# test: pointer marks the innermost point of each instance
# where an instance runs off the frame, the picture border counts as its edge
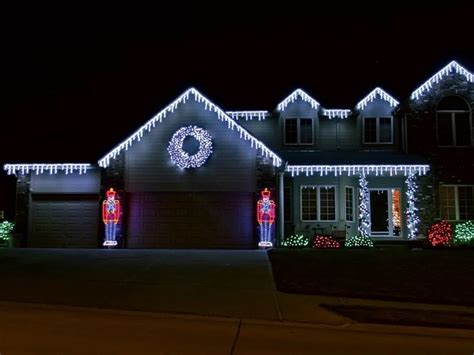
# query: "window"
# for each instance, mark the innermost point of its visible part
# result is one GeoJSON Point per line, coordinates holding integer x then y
{"type": "Point", "coordinates": [298, 131]}
{"type": "Point", "coordinates": [318, 203]}
{"type": "Point", "coordinates": [456, 202]}
{"type": "Point", "coordinates": [453, 119]}
{"type": "Point", "coordinates": [349, 204]}
{"type": "Point", "coordinates": [378, 130]}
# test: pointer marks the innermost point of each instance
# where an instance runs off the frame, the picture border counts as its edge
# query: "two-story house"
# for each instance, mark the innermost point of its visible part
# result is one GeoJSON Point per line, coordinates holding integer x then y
{"type": "Point", "coordinates": [193, 175]}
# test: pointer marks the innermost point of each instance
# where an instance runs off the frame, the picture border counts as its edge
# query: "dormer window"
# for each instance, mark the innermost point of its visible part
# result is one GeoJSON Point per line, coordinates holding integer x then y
{"type": "Point", "coordinates": [298, 131]}
{"type": "Point", "coordinates": [378, 130]}
{"type": "Point", "coordinates": [453, 122]}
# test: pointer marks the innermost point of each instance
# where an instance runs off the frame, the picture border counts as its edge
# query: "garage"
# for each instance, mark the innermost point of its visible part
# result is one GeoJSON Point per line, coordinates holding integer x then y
{"type": "Point", "coordinates": [191, 220]}
{"type": "Point", "coordinates": [64, 221]}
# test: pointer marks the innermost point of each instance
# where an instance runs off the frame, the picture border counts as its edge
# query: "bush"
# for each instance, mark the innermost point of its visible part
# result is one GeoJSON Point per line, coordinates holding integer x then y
{"type": "Point", "coordinates": [296, 241]}
{"type": "Point", "coordinates": [5, 231]}
{"type": "Point", "coordinates": [464, 234]}
{"type": "Point", "coordinates": [359, 241]}
{"type": "Point", "coordinates": [325, 242]}
{"type": "Point", "coordinates": [440, 234]}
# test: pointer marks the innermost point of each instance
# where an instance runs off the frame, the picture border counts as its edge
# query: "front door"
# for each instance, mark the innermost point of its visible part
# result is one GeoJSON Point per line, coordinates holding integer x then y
{"type": "Point", "coordinates": [385, 212]}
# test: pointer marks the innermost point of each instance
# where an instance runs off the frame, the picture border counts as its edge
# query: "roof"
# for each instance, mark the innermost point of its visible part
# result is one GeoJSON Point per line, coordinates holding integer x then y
{"type": "Point", "coordinates": [382, 94]}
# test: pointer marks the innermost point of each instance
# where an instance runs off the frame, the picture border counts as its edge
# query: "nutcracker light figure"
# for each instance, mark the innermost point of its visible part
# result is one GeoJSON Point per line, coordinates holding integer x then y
{"type": "Point", "coordinates": [110, 216]}
{"type": "Point", "coordinates": [265, 218]}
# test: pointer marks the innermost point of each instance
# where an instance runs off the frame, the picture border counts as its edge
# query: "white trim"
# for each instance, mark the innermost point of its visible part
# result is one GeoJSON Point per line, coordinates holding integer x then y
{"type": "Point", "coordinates": [349, 170]}
{"type": "Point", "coordinates": [318, 203]}
{"type": "Point", "coordinates": [208, 105]}
{"type": "Point", "coordinates": [373, 94]}
{"type": "Point", "coordinates": [352, 203]}
{"type": "Point", "coordinates": [435, 79]}
{"type": "Point", "coordinates": [248, 115]}
{"type": "Point", "coordinates": [298, 131]}
{"type": "Point", "coordinates": [46, 168]}
{"type": "Point", "coordinates": [298, 93]}
{"type": "Point", "coordinates": [377, 129]}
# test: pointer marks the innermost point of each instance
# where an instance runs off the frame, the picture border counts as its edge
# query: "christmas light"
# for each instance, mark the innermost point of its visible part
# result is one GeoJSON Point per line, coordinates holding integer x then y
{"type": "Point", "coordinates": [208, 105]}
{"type": "Point", "coordinates": [378, 170]}
{"type": "Point", "coordinates": [440, 234]}
{"type": "Point", "coordinates": [265, 217]}
{"type": "Point", "coordinates": [412, 216]}
{"type": "Point", "coordinates": [464, 233]}
{"type": "Point", "coordinates": [110, 215]}
{"type": "Point", "coordinates": [332, 113]}
{"type": "Point", "coordinates": [248, 115]}
{"type": "Point", "coordinates": [180, 157]}
{"type": "Point", "coordinates": [364, 211]}
{"type": "Point", "coordinates": [373, 95]}
{"type": "Point", "coordinates": [359, 241]}
{"type": "Point", "coordinates": [5, 230]}
{"type": "Point", "coordinates": [325, 242]}
{"type": "Point", "coordinates": [435, 79]}
{"type": "Point", "coordinates": [265, 244]}
{"type": "Point", "coordinates": [298, 93]}
{"type": "Point", "coordinates": [67, 168]}
{"type": "Point", "coordinates": [296, 241]}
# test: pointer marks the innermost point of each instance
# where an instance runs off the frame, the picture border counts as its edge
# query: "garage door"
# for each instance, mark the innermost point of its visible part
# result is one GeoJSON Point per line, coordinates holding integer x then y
{"type": "Point", "coordinates": [191, 220]}
{"type": "Point", "coordinates": [70, 223]}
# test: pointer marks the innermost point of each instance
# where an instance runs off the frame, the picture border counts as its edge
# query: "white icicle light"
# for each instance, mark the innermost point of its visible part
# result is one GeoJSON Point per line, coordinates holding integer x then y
{"type": "Point", "coordinates": [67, 168]}
{"type": "Point", "coordinates": [335, 112]}
{"type": "Point", "coordinates": [435, 79]}
{"type": "Point", "coordinates": [373, 94]}
{"type": "Point", "coordinates": [221, 115]}
{"type": "Point", "coordinates": [378, 170]}
{"type": "Point", "coordinates": [294, 96]}
{"type": "Point", "coordinates": [247, 115]}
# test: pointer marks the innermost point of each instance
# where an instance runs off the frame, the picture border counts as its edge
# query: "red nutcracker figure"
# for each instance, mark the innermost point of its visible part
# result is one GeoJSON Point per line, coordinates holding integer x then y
{"type": "Point", "coordinates": [110, 216]}
{"type": "Point", "coordinates": [265, 217]}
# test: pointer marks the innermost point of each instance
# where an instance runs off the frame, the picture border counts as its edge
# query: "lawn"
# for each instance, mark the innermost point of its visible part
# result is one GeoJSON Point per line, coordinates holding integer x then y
{"type": "Point", "coordinates": [390, 273]}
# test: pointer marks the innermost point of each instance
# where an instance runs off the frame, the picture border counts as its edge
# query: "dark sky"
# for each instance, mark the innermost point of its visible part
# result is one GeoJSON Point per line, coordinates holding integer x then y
{"type": "Point", "coordinates": [76, 81]}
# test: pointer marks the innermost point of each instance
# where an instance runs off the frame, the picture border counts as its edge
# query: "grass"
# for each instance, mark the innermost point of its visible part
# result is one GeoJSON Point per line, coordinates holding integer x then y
{"type": "Point", "coordinates": [390, 273]}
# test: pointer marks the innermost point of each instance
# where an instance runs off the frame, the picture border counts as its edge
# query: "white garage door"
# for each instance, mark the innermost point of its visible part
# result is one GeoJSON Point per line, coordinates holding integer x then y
{"type": "Point", "coordinates": [64, 223]}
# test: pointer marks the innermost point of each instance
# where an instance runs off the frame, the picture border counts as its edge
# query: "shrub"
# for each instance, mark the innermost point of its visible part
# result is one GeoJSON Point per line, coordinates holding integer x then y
{"type": "Point", "coordinates": [440, 234]}
{"type": "Point", "coordinates": [325, 242]}
{"type": "Point", "coordinates": [464, 233]}
{"type": "Point", "coordinates": [359, 241]}
{"type": "Point", "coordinates": [5, 230]}
{"type": "Point", "coordinates": [296, 241]}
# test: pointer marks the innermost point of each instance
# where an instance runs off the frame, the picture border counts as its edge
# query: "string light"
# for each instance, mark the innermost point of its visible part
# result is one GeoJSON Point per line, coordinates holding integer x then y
{"type": "Point", "coordinates": [298, 93]}
{"type": "Point", "coordinates": [5, 230]}
{"type": "Point", "coordinates": [464, 233]}
{"type": "Point", "coordinates": [248, 115]}
{"type": "Point", "coordinates": [181, 158]}
{"type": "Point", "coordinates": [412, 212]}
{"type": "Point", "coordinates": [335, 112]}
{"type": "Point", "coordinates": [364, 211]}
{"type": "Point", "coordinates": [297, 240]}
{"type": "Point", "coordinates": [67, 168]}
{"type": "Point", "coordinates": [435, 79]}
{"type": "Point", "coordinates": [325, 242]}
{"type": "Point", "coordinates": [373, 95]}
{"type": "Point", "coordinates": [349, 170]}
{"type": "Point", "coordinates": [440, 234]}
{"type": "Point", "coordinates": [359, 241]}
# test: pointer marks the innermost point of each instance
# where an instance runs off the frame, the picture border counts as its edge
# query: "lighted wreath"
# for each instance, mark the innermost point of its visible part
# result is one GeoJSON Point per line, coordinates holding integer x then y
{"type": "Point", "coordinates": [180, 157]}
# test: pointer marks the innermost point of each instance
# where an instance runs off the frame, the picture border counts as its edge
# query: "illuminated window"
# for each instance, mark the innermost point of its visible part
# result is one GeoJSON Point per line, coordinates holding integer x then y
{"type": "Point", "coordinates": [318, 203]}
{"type": "Point", "coordinates": [453, 119]}
{"type": "Point", "coordinates": [378, 130]}
{"type": "Point", "coordinates": [298, 131]}
{"type": "Point", "coordinates": [456, 202]}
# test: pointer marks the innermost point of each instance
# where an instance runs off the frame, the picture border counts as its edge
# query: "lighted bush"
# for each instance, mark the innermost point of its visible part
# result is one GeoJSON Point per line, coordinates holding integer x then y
{"type": "Point", "coordinates": [296, 241]}
{"type": "Point", "coordinates": [440, 234]}
{"type": "Point", "coordinates": [325, 242]}
{"type": "Point", "coordinates": [464, 233]}
{"type": "Point", "coordinates": [5, 230]}
{"type": "Point", "coordinates": [359, 241]}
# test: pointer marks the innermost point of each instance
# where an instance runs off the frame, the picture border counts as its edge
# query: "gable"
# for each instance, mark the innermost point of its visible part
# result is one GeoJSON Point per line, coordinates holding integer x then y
{"type": "Point", "coordinates": [219, 115]}
{"type": "Point", "coordinates": [377, 100]}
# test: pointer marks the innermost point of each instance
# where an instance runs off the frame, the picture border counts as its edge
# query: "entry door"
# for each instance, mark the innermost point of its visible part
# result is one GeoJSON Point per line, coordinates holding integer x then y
{"type": "Point", "coordinates": [385, 216]}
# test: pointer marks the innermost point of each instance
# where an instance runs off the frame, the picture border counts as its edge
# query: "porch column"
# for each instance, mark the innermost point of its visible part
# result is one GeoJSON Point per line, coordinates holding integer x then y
{"type": "Point", "coordinates": [364, 212]}
{"type": "Point", "coordinates": [411, 212]}
{"type": "Point", "coordinates": [281, 208]}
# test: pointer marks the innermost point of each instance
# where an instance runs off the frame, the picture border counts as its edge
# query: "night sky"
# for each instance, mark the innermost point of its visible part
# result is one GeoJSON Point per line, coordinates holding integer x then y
{"type": "Point", "coordinates": [75, 82]}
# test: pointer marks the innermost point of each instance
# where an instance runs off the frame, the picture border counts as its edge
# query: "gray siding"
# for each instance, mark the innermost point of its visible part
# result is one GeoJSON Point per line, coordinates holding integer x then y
{"type": "Point", "coordinates": [231, 167]}
{"type": "Point", "coordinates": [60, 183]}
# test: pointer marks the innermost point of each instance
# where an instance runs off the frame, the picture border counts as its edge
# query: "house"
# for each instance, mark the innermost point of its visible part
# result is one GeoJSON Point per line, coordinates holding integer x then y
{"type": "Point", "coordinates": [196, 176]}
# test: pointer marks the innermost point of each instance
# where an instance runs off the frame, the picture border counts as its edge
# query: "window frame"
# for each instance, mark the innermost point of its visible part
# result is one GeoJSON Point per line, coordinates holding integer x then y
{"type": "Point", "coordinates": [453, 127]}
{"type": "Point", "coordinates": [456, 200]}
{"type": "Point", "coordinates": [352, 203]}
{"type": "Point", "coordinates": [318, 203]}
{"type": "Point", "coordinates": [377, 130]}
{"type": "Point", "coordinates": [298, 130]}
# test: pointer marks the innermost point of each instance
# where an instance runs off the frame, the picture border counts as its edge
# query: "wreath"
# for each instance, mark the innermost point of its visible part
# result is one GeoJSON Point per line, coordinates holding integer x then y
{"type": "Point", "coordinates": [180, 157]}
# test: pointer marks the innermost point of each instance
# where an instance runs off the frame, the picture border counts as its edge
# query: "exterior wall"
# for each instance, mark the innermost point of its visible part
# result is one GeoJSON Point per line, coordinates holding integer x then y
{"type": "Point", "coordinates": [61, 183]}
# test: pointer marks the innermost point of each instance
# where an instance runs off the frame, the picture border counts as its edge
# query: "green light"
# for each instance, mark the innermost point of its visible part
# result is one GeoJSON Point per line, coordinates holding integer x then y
{"type": "Point", "coordinates": [359, 241]}
{"type": "Point", "coordinates": [5, 230]}
{"type": "Point", "coordinates": [464, 233]}
{"type": "Point", "coordinates": [296, 241]}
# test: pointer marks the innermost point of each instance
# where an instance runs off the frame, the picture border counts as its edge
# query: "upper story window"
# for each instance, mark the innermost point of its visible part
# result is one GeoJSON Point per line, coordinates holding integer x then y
{"type": "Point", "coordinates": [378, 130]}
{"type": "Point", "coordinates": [453, 119]}
{"type": "Point", "coordinates": [298, 131]}
{"type": "Point", "coordinates": [456, 202]}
